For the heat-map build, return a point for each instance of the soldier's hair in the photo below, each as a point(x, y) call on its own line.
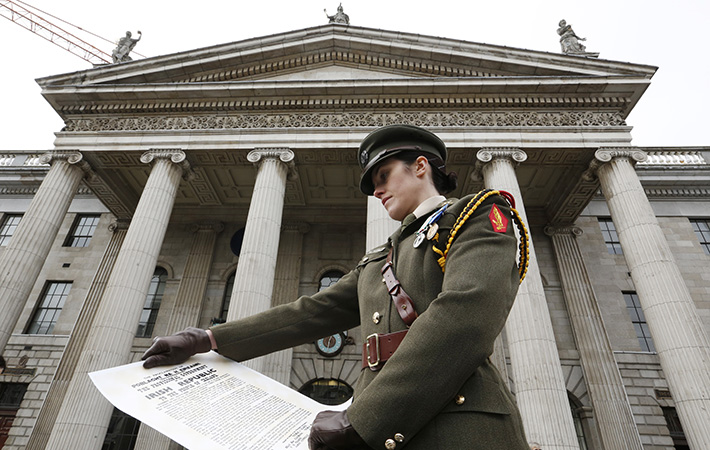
point(443, 182)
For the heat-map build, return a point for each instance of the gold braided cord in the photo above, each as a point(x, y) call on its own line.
point(475, 202)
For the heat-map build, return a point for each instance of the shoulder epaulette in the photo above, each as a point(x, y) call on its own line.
point(468, 210)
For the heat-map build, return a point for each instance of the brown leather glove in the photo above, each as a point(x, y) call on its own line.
point(331, 430)
point(177, 348)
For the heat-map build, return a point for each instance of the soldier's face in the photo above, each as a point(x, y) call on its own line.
point(400, 187)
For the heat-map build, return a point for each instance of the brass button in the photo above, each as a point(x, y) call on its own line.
point(460, 399)
point(399, 437)
point(390, 444)
point(376, 317)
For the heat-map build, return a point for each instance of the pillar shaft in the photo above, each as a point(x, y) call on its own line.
point(601, 374)
point(84, 415)
point(288, 270)
point(677, 331)
point(24, 256)
point(379, 224)
point(535, 363)
point(254, 279)
point(77, 340)
point(187, 308)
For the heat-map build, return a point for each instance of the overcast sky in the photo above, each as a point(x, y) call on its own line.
point(671, 35)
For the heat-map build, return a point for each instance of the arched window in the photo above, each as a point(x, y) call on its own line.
point(152, 303)
point(328, 391)
point(329, 278)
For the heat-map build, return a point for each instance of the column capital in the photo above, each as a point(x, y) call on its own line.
point(175, 155)
point(118, 224)
point(488, 154)
point(283, 154)
point(300, 227)
point(563, 230)
point(210, 226)
point(73, 157)
point(605, 154)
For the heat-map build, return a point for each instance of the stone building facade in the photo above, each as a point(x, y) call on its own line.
point(172, 170)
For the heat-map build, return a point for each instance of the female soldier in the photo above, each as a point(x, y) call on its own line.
point(456, 261)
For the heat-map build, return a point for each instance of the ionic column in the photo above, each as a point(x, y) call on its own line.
point(24, 256)
point(77, 340)
point(601, 374)
point(254, 279)
point(187, 308)
point(535, 363)
point(84, 415)
point(677, 331)
point(379, 224)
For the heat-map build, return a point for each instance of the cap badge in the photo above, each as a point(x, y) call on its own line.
point(364, 157)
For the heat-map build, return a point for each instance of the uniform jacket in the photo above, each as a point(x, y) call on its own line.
point(439, 390)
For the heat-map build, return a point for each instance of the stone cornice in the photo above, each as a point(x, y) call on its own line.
point(347, 101)
point(347, 119)
point(437, 69)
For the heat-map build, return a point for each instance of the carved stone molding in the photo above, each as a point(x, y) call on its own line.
point(387, 102)
point(488, 154)
point(175, 155)
point(328, 56)
point(283, 154)
point(564, 230)
point(71, 157)
point(347, 120)
point(209, 226)
point(605, 155)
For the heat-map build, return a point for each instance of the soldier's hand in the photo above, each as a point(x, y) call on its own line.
point(177, 348)
point(331, 430)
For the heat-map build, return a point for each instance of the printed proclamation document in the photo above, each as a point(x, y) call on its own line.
point(211, 402)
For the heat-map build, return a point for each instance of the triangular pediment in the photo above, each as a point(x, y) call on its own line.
point(336, 66)
point(329, 49)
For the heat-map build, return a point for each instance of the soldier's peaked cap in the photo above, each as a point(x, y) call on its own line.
point(391, 140)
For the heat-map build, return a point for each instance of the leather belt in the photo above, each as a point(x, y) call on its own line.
point(378, 348)
point(402, 301)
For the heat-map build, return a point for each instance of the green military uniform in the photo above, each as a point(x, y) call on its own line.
point(439, 390)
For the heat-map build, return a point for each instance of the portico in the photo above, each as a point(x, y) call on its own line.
point(233, 136)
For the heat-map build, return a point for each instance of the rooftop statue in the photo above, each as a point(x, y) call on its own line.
point(569, 41)
point(124, 47)
point(339, 17)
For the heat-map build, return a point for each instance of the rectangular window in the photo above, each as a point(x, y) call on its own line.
point(46, 315)
point(7, 229)
point(633, 306)
point(82, 230)
point(702, 231)
point(611, 239)
point(152, 303)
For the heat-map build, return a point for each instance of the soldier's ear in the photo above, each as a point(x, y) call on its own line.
point(420, 166)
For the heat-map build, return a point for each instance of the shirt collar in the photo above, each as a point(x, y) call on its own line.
point(428, 205)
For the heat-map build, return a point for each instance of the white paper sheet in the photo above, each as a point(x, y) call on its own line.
point(211, 402)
